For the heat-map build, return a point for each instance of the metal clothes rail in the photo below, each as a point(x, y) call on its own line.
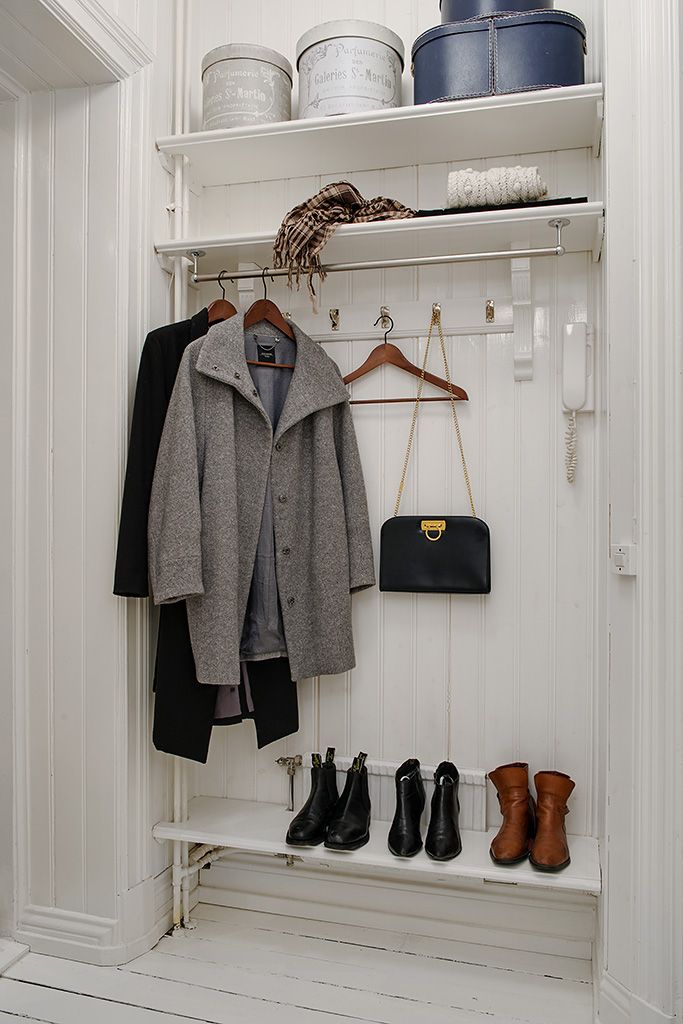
point(557, 249)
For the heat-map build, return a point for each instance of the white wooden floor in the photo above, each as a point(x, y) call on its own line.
point(241, 967)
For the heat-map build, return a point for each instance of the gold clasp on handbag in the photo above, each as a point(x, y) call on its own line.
point(430, 526)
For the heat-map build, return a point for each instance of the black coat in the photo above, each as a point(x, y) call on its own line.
point(183, 708)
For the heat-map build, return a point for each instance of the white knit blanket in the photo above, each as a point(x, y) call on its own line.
point(495, 187)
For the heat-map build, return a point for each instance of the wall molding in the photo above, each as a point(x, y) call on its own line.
point(616, 1005)
point(104, 941)
point(119, 51)
point(643, 944)
point(20, 539)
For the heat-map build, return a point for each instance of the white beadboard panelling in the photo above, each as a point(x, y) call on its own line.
point(40, 625)
point(86, 177)
point(480, 680)
point(8, 134)
point(70, 401)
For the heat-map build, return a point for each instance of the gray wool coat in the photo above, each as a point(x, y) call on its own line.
point(216, 452)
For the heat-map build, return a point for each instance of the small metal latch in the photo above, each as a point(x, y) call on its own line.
point(490, 311)
point(291, 764)
point(429, 526)
point(289, 859)
point(334, 319)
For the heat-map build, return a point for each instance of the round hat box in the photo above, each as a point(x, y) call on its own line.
point(245, 84)
point(346, 67)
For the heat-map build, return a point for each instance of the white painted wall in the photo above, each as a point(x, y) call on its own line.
point(642, 959)
point(484, 680)
point(88, 288)
point(7, 207)
point(526, 671)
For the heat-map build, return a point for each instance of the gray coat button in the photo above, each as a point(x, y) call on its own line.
point(237, 375)
point(282, 498)
point(278, 446)
point(286, 551)
point(291, 601)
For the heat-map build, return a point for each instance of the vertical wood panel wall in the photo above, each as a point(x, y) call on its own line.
point(479, 680)
point(7, 407)
point(89, 785)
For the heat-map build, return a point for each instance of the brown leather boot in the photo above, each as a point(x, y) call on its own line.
point(550, 851)
point(519, 813)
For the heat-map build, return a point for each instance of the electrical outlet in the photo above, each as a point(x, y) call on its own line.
point(624, 559)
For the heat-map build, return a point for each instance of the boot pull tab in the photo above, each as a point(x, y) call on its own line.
point(358, 762)
point(316, 760)
point(329, 756)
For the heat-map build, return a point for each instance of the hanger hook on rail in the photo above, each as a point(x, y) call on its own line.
point(384, 317)
point(220, 281)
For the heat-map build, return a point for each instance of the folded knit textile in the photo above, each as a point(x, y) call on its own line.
point(495, 187)
point(310, 225)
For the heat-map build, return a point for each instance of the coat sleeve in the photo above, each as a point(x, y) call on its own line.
point(131, 575)
point(361, 561)
point(175, 553)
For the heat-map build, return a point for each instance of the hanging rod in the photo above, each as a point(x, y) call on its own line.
point(411, 261)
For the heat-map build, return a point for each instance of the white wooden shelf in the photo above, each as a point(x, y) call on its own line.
point(252, 827)
point(422, 236)
point(490, 126)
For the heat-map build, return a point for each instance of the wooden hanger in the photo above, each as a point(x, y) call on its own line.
point(221, 309)
point(387, 353)
point(264, 309)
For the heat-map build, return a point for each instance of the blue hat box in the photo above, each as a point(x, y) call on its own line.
point(463, 10)
point(499, 54)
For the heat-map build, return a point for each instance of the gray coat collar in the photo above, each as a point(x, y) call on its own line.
point(316, 382)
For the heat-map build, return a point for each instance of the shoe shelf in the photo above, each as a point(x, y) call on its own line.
point(489, 126)
point(421, 236)
point(251, 827)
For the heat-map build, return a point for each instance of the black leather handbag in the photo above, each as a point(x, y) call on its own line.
point(435, 554)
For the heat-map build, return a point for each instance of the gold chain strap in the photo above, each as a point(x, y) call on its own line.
point(436, 320)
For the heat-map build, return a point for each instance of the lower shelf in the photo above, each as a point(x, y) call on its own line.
point(252, 827)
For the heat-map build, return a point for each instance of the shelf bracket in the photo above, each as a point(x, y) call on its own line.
point(167, 263)
point(599, 127)
point(167, 162)
point(599, 240)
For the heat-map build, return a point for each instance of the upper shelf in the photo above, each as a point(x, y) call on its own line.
point(422, 236)
point(530, 122)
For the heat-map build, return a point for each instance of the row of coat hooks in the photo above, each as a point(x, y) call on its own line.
point(384, 354)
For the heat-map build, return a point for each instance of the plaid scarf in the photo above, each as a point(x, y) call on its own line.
point(309, 226)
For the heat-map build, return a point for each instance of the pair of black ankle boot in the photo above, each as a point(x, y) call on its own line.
point(340, 822)
point(343, 822)
point(443, 835)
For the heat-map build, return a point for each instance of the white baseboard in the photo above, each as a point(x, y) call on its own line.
point(10, 952)
point(496, 919)
point(146, 915)
point(616, 1005)
point(84, 937)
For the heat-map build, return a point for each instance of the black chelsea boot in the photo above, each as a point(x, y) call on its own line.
point(309, 827)
point(443, 835)
point(349, 826)
point(405, 838)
